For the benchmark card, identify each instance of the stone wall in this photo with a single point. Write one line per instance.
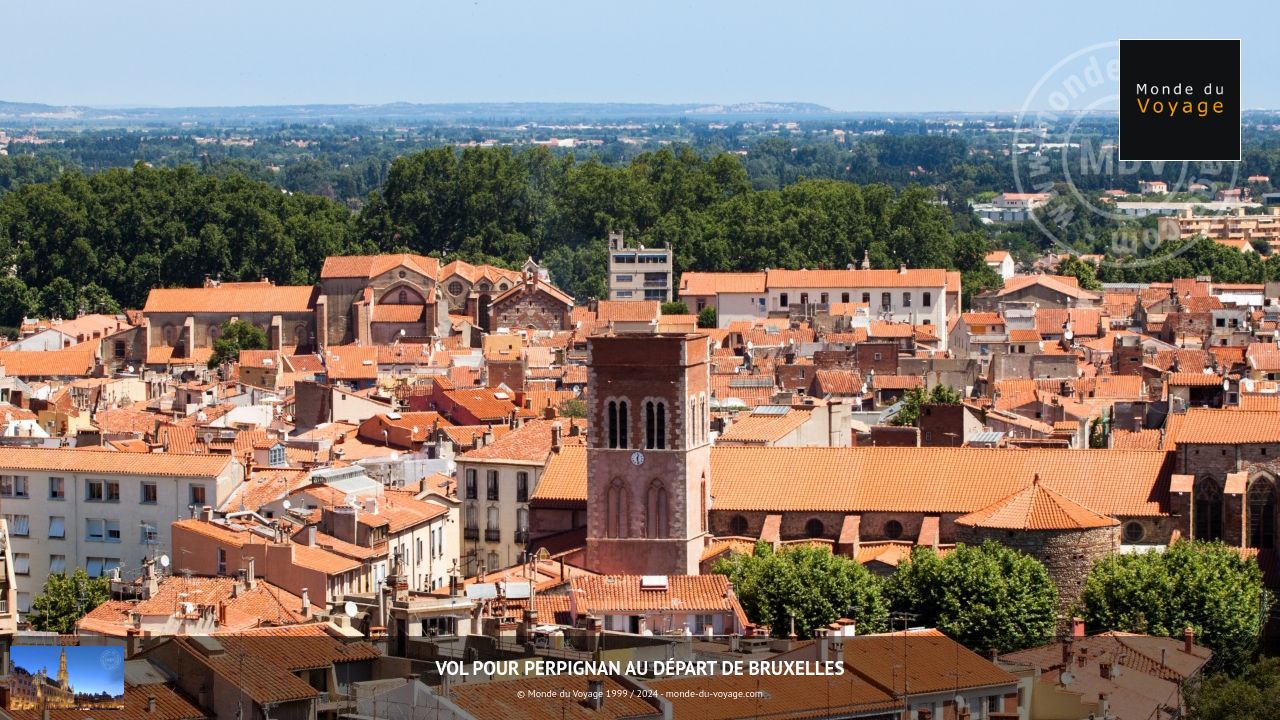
(1068, 555)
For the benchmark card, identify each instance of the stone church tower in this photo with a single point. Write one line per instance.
(648, 452)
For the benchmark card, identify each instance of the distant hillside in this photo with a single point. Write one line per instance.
(17, 114)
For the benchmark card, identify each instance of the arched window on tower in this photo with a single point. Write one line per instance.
(624, 439)
(657, 517)
(1262, 512)
(1208, 509)
(616, 510)
(655, 425)
(611, 410)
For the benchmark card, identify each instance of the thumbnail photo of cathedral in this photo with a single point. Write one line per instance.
(94, 678)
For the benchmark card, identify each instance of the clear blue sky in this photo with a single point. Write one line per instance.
(857, 56)
(86, 669)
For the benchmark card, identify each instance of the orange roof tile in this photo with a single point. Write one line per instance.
(1036, 507)
(887, 479)
(83, 461)
(763, 429)
(707, 283)
(605, 594)
(392, 313)
(232, 298)
(938, 663)
(367, 266)
(1065, 285)
(1135, 440)
(928, 277)
(483, 403)
(75, 361)
(1194, 379)
(1209, 426)
(351, 362)
(529, 443)
(505, 700)
(628, 310)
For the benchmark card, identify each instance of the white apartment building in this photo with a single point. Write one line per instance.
(69, 509)
(639, 273)
(495, 483)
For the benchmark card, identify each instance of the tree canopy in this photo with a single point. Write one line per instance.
(236, 335)
(1254, 694)
(65, 599)
(1206, 586)
(807, 584)
(913, 399)
(987, 597)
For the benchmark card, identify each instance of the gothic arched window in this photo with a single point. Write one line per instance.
(1208, 509)
(1261, 511)
(655, 425)
(616, 510)
(657, 516)
(814, 528)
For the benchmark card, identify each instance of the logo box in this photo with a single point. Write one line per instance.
(1180, 100)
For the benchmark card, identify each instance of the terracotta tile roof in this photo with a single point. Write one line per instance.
(1209, 426)
(126, 420)
(533, 286)
(888, 552)
(997, 256)
(530, 443)
(771, 696)
(612, 594)
(927, 278)
(351, 362)
(502, 700)
(1062, 284)
(1261, 356)
(756, 429)
(392, 313)
(170, 705)
(232, 298)
(628, 311)
(1085, 322)
(83, 461)
(887, 479)
(1194, 379)
(262, 680)
(1259, 403)
(837, 382)
(262, 488)
(853, 337)
(246, 608)
(751, 390)
(368, 266)
(706, 283)
(1024, 335)
(465, 435)
(881, 329)
(483, 403)
(1036, 507)
(402, 511)
(75, 361)
(896, 382)
(110, 618)
(938, 663)
(982, 318)
(476, 273)
(1139, 440)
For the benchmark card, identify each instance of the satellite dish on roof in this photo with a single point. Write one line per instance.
(286, 504)
(349, 608)
(164, 561)
(188, 608)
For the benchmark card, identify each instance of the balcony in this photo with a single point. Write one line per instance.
(492, 535)
(471, 533)
(522, 537)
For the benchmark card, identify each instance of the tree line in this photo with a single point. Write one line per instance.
(100, 242)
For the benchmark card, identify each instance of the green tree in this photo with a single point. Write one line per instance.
(573, 408)
(987, 597)
(707, 318)
(1208, 587)
(16, 301)
(65, 599)
(675, 308)
(1252, 695)
(1085, 272)
(236, 335)
(807, 584)
(913, 399)
(59, 299)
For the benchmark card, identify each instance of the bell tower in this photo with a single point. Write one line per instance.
(648, 452)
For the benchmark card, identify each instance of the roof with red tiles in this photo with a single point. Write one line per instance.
(393, 313)
(837, 382)
(613, 594)
(75, 361)
(1210, 426)
(1135, 440)
(247, 297)
(709, 283)
(628, 310)
(368, 266)
(83, 461)
(1065, 285)
(757, 429)
(529, 443)
(505, 700)
(773, 696)
(351, 362)
(887, 479)
(1036, 507)
(484, 403)
(926, 277)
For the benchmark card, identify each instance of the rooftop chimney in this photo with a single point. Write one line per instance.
(250, 580)
(902, 269)
(306, 604)
(151, 703)
(821, 636)
(1066, 652)
(595, 694)
(1104, 707)
(311, 535)
(555, 437)
(206, 513)
(1188, 639)
(1077, 627)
